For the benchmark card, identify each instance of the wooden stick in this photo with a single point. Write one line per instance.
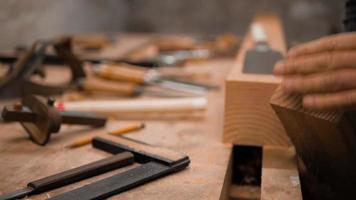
(136, 106)
(123, 130)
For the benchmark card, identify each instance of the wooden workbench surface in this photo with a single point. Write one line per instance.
(22, 161)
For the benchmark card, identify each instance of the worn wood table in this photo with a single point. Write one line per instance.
(206, 178)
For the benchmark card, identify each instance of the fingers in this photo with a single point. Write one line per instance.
(332, 101)
(330, 81)
(344, 41)
(316, 63)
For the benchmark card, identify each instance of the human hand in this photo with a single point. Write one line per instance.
(324, 71)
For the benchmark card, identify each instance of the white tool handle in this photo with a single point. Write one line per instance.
(142, 105)
(258, 33)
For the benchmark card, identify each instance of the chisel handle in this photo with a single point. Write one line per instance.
(112, 87)
(121, 72)
(82, 172)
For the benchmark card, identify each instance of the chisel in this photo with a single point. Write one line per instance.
(130, 73)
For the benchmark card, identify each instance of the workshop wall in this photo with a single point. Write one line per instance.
(24, 21)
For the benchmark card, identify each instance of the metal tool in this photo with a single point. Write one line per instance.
(262, 58)
(40, 118)
(17, 79)
(130, 73)
(72, 176)
(51, 59)
(174, 58)
(155, 163)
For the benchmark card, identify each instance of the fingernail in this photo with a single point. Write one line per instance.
(279, 68)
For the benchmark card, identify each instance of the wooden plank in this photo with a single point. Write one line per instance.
(280, 178)
(325, 141)
(249, 119)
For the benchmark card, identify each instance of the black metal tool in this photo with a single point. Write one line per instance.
(261, 58)
(72, 176)
(155, 163)
(17, 80)
(40, 118)
(51, 59)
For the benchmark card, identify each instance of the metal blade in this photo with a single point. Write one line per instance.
(18, 194)
(183, 86)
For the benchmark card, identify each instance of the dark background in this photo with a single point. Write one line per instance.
(22, 21)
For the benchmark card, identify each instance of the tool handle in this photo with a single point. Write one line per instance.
(79, 118)
(120, 89)
(122, 72)
(82, 172)
(14, 115)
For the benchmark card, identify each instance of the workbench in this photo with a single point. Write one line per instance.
(207, 177)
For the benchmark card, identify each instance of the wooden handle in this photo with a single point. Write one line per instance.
(91, 41)
(82, 172)
(122, 72)
(105, 86)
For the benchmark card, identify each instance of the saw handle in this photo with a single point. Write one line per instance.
(82, 172)
(122, 72)
(112, 87)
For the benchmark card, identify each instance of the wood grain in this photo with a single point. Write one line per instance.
(249, 119)
(325, 141)
(280, 177)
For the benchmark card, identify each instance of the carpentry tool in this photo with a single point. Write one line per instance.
(79, 81)
(71, 176)
(88, 85)
(127, 129)
(155, 163)
(261, 59)
(30, 63)
(135, 105)
(175, 58)
(40, 118)
(130, 73)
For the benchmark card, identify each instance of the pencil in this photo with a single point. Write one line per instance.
(123, 130)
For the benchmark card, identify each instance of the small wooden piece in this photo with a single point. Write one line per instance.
(249, 119)
(87, 140)
(325, 141)
(245, 192)
(122, 72)
(280, 178)
(94, 85)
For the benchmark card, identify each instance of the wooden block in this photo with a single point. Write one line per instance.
(280, 177)
(249, 119)
(245, 192)
(325, 142)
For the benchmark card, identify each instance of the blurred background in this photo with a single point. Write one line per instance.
(24, 21)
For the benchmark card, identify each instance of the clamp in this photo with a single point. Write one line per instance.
(154, 163)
